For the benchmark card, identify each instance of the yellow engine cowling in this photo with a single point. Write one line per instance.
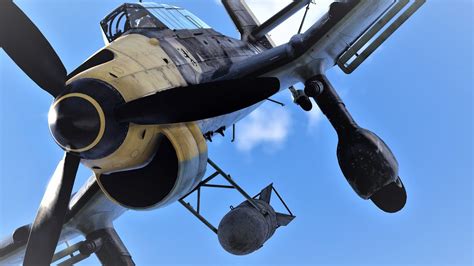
(177, 166)
(153, 165)
(140, 67)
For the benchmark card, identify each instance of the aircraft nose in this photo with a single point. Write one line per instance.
(82, 119)
(76, 121)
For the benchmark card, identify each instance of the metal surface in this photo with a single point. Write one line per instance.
(283, 219)
(275, 101)
(246, 22)
(316, 50)
(112, 252)
(82, 119)
(49, 220)
(199, 216)
(73, 260)
(366, 161)
(30, 50)
(304, 17)
(217, 186)
(234, 184)
(176, 166)
(282, 201)
(301, 99)
(173, 59)
(196, 213)
(15, 241)
(197, 102)
(245, 229)
(349, 66)
(204, 183)
(67, 251)
(266, 225)
(233, 133)
(391, 198)
(266, 193)
(279, 18)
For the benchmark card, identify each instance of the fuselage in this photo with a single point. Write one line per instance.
(148, 61)
(144, 61)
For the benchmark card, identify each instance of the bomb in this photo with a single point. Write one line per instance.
(246, 228)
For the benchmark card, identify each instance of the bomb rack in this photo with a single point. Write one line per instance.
(245, 228)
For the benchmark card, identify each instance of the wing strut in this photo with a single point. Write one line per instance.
(105, 243)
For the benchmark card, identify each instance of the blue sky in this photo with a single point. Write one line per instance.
(416, 93)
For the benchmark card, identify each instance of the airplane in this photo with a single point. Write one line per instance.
(139, 112)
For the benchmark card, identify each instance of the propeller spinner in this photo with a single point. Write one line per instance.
(76, 121)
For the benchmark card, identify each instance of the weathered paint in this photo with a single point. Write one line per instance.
(139, 69)
(191, 151)
(100, 113)
(147, 63)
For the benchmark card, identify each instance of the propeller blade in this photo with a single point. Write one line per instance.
(197, 102)
(30, 50)
(49, 220)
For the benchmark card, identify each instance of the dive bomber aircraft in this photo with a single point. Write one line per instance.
(139, 112)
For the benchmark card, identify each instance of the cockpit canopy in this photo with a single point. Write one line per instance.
(148, 16)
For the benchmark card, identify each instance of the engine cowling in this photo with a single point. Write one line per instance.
(177, 166)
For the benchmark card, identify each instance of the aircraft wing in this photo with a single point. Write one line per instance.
(88, 208)
(345, 36)
(245, 21)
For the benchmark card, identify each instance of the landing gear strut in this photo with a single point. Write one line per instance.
(365, 160)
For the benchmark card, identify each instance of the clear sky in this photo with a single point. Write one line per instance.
(416, 93)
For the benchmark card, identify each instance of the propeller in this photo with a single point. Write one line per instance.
(197, 102)
(49, 220)
(29, 49)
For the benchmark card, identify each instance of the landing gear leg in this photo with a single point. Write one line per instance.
(365, 160)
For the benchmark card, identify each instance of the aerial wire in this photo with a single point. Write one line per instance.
(304, 16)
